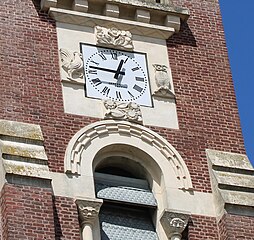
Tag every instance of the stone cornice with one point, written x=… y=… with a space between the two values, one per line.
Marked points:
x=140 y=17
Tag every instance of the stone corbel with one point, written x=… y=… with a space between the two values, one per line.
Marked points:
x=80 y=5
x=174 y=224
x=111 y=10
x=88 y=210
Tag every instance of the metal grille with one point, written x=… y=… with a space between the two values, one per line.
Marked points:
x=126 y=225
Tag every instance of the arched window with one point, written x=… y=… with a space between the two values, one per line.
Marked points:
x=129 y=206
x=111 y=157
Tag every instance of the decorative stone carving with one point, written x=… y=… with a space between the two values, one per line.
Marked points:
x=88 y=210
x=114 y=37
x=174 y=224
x=72 y=64
x=119 y=110
x=162 y=79
x=74 y=155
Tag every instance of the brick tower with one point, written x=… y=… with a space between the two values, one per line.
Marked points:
x=118 y=121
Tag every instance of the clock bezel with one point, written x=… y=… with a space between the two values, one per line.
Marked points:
x=149 y=92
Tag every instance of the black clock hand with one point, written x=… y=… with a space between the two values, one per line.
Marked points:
x=107 y=70
x=118 y=70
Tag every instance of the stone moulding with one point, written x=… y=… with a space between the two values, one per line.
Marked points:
x=22 y=150
x=114 y=37
x=83 y=139
x=125 y=111
x=115 y=14
x=232 y=180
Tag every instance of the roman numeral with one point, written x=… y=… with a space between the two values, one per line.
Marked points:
x=114 y=55
x=135 y=69
x=130 y=94
x=140 y=79
x=118 y=95
x=138 y=88
x=96 y=81
x=126 y=60
x=102 y=56
x=94 y=62
x=92 y=71
x=105 y=91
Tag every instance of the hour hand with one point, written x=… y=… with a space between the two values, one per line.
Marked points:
x=108 y=70
x=118 y=70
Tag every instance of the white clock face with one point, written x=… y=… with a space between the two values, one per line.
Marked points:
x=117 y=75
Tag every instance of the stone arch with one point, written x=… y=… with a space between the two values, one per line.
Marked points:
x=87 y=142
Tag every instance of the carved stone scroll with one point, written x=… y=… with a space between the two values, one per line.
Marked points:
x=72 y=64
x=174 y=224
x=126 y=111
x=162 y=79
x=114 y=37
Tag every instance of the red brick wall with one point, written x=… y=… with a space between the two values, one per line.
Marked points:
x=27 y=213
x=202 y=227
x=207 y=111
x=31 y=92
x=233 y=227
x=66 y=219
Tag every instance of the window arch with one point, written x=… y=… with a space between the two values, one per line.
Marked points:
x=146 y=156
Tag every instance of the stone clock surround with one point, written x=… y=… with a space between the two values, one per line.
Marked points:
x=150 y=24
x=75 y=101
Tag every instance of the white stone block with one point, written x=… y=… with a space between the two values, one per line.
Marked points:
x=142 y=16
x=111 y=10
x=173 y=21
x=80 y=5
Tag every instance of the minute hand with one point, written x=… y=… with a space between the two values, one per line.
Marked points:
x=107 y=70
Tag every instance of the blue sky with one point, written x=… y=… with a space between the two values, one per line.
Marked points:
x=238 y=25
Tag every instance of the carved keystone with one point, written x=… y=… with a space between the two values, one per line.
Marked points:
x=88 y=210
x=174 y=224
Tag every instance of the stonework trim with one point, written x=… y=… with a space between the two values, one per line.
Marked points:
x=232 y=178
x=174 y=223
x=21 y=151
x=88 y=210
x=103 y=129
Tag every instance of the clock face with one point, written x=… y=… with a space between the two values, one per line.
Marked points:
x=117 y=75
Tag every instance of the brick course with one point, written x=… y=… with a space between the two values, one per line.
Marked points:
x=26 y=213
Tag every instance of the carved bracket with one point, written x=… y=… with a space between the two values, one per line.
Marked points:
x=126 y=111
x=72 y=64
x=88 y=210
x=114 y=37
x=174 y=223
x=162 y=79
